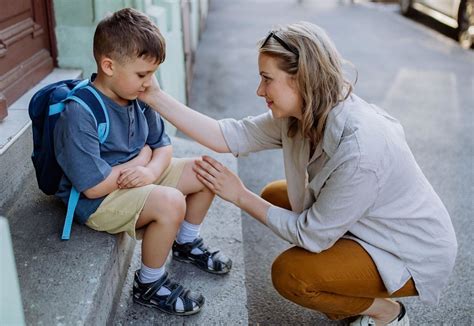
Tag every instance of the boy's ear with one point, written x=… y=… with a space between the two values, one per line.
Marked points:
x=107 y=66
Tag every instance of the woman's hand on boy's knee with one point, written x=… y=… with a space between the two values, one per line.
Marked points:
x=138 y=176
x=219 y=179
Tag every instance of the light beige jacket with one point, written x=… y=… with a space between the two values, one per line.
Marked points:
x=361 y=183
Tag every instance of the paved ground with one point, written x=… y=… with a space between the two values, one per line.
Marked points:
x=419 y=75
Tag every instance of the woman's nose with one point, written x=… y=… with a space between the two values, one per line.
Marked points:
x=260 y=90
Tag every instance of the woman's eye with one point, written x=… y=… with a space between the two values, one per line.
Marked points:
x=141 y=75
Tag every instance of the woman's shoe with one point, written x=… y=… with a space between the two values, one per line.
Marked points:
x=401 y=320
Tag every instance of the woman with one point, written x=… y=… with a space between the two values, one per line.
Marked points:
x=366 y=224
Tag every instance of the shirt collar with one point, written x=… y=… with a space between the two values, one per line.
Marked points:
x=335 y=124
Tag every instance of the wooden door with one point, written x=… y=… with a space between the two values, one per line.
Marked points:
x=27 y=47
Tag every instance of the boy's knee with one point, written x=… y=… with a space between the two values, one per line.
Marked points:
x=171 y=204
x=176 y=204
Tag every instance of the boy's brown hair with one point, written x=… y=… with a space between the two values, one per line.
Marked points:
x=128 y=34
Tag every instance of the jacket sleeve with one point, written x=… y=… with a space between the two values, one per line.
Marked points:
x=345 y=198
x=252 y=134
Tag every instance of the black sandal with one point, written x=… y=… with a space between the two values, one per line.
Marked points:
x=147 y=295
x=221 y=264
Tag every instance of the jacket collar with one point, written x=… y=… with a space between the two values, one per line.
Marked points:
x=335 y=124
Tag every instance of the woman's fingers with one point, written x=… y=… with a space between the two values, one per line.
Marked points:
x=203 y=172
x=214 y=163
x=208 y=167
x=204 y=181
x=214 y=176
x=219 y=179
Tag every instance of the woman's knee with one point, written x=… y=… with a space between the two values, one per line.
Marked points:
x=276 y=193
x=284 y=278
x=297 y=273
x=295 y=285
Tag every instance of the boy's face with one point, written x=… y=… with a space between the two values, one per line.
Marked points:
x=129 y=79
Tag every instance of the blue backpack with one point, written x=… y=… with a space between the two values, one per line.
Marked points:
x=44 y=109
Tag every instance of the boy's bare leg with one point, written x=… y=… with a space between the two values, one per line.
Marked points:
x=198 y=197
x=189 y=247
x=162 y=215
x=162 y=222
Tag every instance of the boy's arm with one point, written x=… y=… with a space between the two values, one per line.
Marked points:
x=144 y=175
x=110 y=184
x=160 y=160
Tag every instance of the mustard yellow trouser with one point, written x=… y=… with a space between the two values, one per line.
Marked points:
x=340 y=282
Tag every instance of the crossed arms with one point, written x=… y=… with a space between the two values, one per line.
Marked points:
x=142 y=170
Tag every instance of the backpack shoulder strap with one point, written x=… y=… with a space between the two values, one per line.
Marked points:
x=90 y=100
x=71 y=207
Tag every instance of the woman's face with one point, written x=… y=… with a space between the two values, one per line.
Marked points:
x=279 y=89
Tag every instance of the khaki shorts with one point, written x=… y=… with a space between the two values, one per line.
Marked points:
x=120 y=210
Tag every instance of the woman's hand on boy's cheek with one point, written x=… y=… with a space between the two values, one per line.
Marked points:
x=138 y=176
x=151 y=91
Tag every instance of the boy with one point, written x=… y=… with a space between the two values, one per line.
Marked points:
x=131 y=183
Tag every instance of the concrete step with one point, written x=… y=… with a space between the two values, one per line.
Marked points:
x=226 y=297
x=64 y=282
x=60 y=282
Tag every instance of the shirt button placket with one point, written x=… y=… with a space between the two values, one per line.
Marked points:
x=132 y=120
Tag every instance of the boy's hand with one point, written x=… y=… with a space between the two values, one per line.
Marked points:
x=138 y=176
x=151 y=91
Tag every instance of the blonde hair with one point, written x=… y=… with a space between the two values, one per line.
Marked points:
x=317 y=67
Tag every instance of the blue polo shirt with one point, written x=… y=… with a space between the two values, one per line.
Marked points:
x=86 y=162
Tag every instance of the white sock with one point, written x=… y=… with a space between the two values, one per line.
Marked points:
x=188 y=232
x=148 y=275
